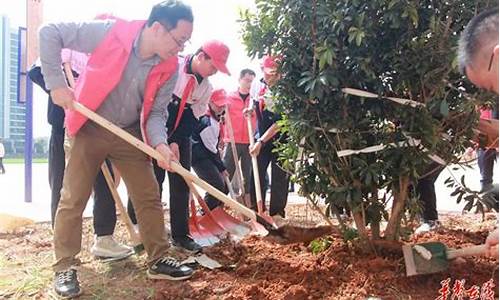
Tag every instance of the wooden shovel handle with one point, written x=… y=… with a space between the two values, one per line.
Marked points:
x=255 y=166
x=469 y=251
x=239 y=174
x=134 y=236
x=229 y=187
x=188 y=176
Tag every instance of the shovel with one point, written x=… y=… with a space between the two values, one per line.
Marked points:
x=433 y=257
x=255 y=165
x=239 y=176
x=286 y=234
x=135 y=238
x=217 y=222
x=202 y=235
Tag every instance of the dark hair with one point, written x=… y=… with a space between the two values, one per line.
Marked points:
x=169 y=12
x=245 y=72
x=482 y=31
x=205 y=55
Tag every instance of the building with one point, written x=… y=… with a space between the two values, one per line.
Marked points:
x=12 y=113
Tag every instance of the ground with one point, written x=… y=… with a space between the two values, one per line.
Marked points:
x=253 y=268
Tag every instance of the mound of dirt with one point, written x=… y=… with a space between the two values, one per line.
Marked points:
x=259 y=269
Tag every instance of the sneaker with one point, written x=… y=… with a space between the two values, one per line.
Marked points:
x=169 y=268
x=105 y=247
x=187 y=244
x=428 y=225
x=66 y=284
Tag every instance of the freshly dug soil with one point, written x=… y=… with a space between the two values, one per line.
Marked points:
x=260 y=269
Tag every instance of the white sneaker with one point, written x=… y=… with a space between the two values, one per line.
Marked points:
x=107 y=248
x=428 y=226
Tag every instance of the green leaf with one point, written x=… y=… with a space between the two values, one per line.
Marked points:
x=359 y=37
x=468 y=206
x=444 y=109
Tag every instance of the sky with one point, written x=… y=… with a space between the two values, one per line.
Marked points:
x=213 y=19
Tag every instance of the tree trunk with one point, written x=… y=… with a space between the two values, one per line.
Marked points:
x=398 y=205
x=360 y=225
x=375 y=226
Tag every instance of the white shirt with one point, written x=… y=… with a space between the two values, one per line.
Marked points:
x=201 y=93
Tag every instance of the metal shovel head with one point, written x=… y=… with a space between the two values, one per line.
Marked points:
x=219 y=221
x=229 y=223
x=198 y=233
x=201 y=235
x=425 y=258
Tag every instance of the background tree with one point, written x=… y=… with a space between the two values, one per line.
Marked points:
x=399 y=48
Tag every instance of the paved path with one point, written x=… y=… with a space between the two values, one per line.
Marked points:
x=12 y=192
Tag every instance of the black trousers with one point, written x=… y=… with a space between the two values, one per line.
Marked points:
x=1 y=166
x=104 y=205
x=206 y=170
x=179 y=192
x=486 y=160
x=427 y=192
x=280 y=180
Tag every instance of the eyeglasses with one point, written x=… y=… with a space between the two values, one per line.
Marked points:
x=491 y=60
x=179 y=43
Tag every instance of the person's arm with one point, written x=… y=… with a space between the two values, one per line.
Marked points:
x=156 y=124
x=490 y=129
x=155 y=127
x=83 y=37
x=492 y=244
x=261 y=141
x=209 y=139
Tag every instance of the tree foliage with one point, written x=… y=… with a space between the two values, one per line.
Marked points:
x=398 y=48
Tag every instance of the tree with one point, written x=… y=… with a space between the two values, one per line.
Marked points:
x=393 y=48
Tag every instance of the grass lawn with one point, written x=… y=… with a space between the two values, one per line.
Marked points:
x=21 y=160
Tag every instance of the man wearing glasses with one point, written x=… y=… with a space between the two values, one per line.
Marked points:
x=129 y=78
x=478 y=51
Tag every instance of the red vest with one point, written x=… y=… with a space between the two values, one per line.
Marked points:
x=235 y=112
x=104 y=71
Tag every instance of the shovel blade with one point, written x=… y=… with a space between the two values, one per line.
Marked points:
x=417 y=264
x=229 y=223
x=201 y=235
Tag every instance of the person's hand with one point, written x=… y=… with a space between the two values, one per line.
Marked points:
x=492 y=244
x=63 y=97
x=175 y=150
x=247 y=112
x=225 y=173
x=255 y=149
x=490 y=129
x=168 y=156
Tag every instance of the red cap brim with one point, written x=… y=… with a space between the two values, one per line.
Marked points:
x=221 y=66
x=220 y=102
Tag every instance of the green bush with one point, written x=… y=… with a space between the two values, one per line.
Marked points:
x=403 y=49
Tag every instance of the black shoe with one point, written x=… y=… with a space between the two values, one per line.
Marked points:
x=187 y=244
x=66 y=284
x=169 y=268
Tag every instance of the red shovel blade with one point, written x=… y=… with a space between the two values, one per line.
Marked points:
x=200 y=234
x=229 y=223
x=218 y=221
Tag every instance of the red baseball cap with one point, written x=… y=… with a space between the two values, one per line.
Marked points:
x=269 y=64
x=219 y=97
x=219 y=53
